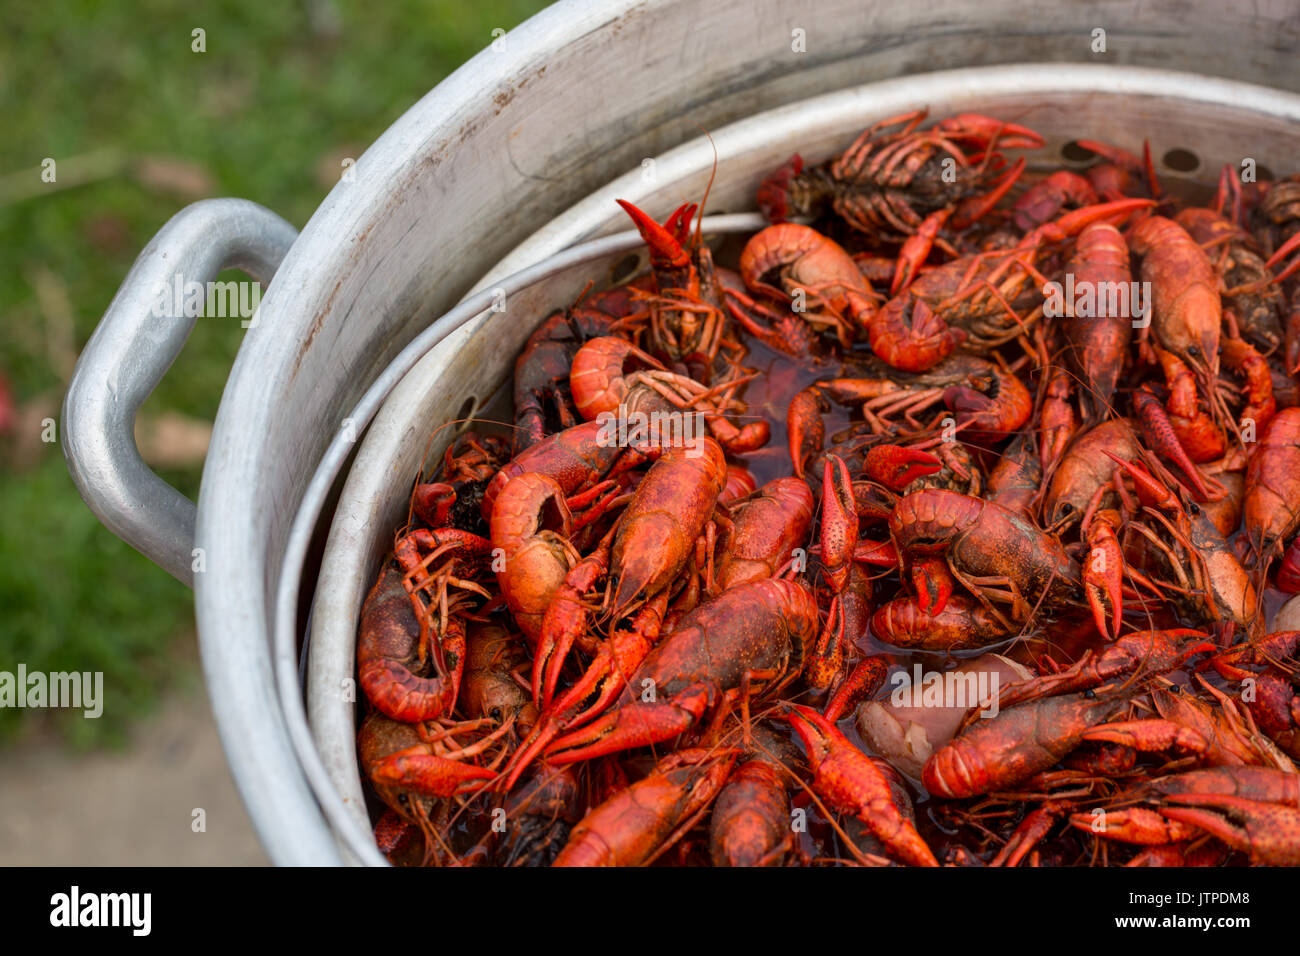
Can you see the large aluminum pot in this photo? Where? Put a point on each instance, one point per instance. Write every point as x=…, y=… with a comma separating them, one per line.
x=572, y=98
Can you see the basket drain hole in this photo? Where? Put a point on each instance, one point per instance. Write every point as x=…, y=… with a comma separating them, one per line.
x=1181, y=160
x=625, y=268
x=1072, y=152
x=465, y=410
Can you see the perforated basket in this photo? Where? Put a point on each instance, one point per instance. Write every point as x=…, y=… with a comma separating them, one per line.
x=1196, y=125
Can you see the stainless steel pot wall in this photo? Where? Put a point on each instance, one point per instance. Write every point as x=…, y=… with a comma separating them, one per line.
x=576, y=96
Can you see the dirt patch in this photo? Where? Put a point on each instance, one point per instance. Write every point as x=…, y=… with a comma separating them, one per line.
x=128, y=808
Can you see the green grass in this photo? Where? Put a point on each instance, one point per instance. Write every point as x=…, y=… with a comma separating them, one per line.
x=267, y=105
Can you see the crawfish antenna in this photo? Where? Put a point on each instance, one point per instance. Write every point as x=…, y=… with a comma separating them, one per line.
x=699, y=228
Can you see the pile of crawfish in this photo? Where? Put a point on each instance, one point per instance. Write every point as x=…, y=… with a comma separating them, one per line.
x=1036, y=432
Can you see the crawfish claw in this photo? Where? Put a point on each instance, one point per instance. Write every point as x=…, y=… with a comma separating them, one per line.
x=1269, y=832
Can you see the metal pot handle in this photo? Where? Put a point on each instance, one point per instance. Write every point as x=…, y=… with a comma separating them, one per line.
x=127, y=356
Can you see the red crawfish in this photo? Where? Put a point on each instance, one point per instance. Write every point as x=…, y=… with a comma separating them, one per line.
x=1097, y=344
x=1001, y=752
x=897, y=466
x=988, y=401
x=767, y=526
x=1251, y=294
x=1057, y=422
x=577, y=459
x=846, y=624
x=867, y=677
x=1085, y=470
x=540, y=815
x=750, y=823
x=488, y=688
x=567, y=620
x=961, y=624
x=638, y=824
x=1045, y=199
x=688, y=314
x=1141, y=653
x=1271, y=510
x=1272, y=650
x=604, y=384
x=1258, y=401
x=805, y=427
x=1016, y=480
x=399, y=840
x=1276, y=710
x=851, y=782
x=391, y=645
x=613, y=661
x=653, y=540
x=1186, y=309
x=1229, y=738
x=839, y=527
x=410, y=777
x=469, y=465
x=788, y=259
x=1195, y=853
x=1180, y=429
x=1103, y=570
x=888, y=180
x=983, y=300
x=1263, y=784
x=1268, y=663
x=751, y=639
x=543, y=365
x=668, y=511
x=995, y=552
x=1288, y=572
x=531, y=527
x=1210, y=582
x=1120, y=173
x=740, y=484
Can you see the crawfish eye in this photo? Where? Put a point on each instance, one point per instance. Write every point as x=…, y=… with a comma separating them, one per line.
x=1194, y=508
x=1089, y=695
x=1194, y=350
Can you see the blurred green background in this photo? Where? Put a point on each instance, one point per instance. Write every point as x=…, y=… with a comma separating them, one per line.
x=140, y=125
